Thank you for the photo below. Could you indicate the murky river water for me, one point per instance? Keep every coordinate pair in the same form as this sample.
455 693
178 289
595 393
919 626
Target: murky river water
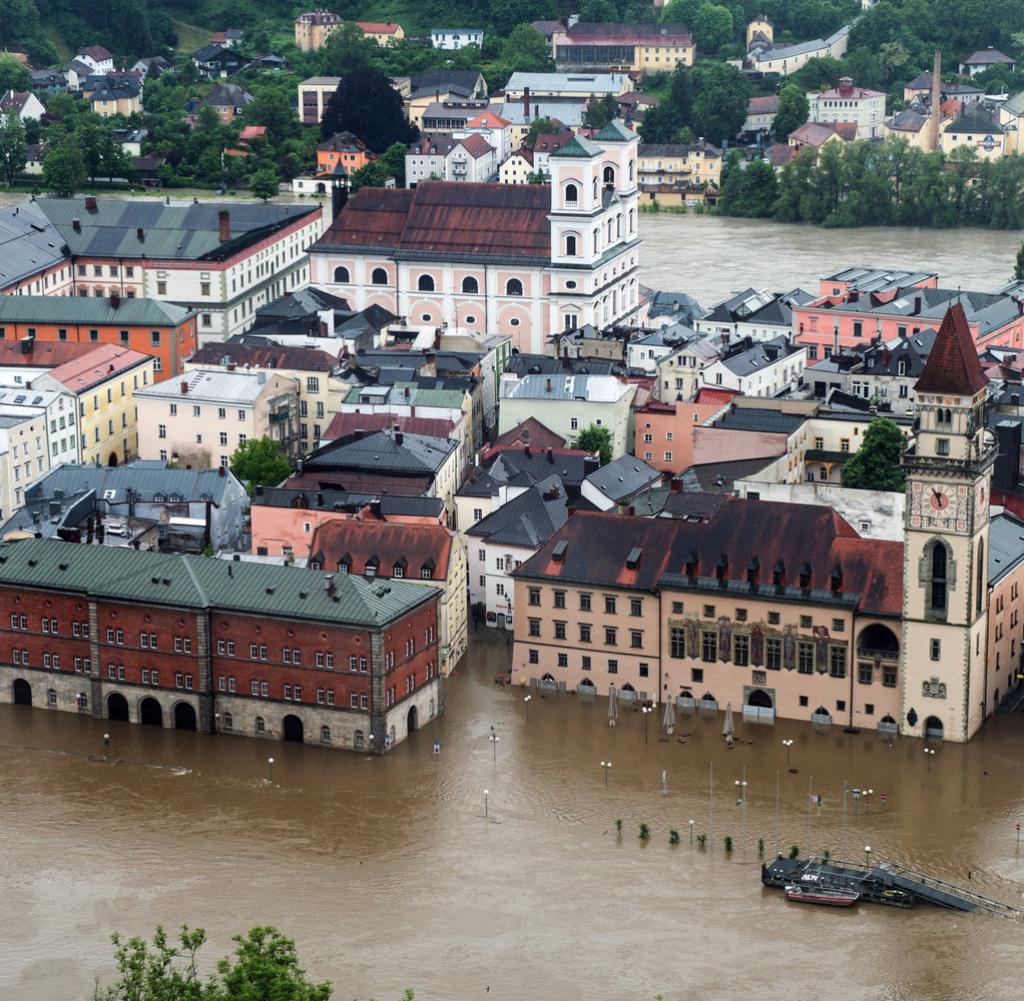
388 874
712 256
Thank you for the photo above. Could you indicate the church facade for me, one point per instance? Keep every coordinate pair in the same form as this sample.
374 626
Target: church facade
525 261
784 610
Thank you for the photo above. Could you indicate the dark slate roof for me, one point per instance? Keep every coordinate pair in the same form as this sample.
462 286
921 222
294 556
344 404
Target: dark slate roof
528 520
1005 545
759 356
719 477
434 78
757 419
953 365
227 95
514 467
147 481
29 242
302 303
271 356
623 477
176 231
974 118
597 547
908 120
912 350
206 582
694 505
381 451
521 364
388 505
441 221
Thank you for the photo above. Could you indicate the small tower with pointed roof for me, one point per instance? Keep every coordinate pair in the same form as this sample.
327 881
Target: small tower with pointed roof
945 573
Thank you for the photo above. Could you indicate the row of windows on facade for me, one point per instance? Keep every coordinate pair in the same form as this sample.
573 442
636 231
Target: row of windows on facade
425 283
372 569
227 724
94 335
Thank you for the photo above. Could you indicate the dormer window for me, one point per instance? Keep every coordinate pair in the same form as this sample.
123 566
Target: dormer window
426 573
398 572
342 568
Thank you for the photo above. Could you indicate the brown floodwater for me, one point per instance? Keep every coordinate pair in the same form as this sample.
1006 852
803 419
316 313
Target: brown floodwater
388 874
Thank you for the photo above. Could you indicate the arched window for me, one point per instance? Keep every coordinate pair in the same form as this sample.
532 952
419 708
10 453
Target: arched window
425 283
261 724
379 276
632 169
325 734
981 576
514 287
595 189
609 175
341 275
938 570
570 245
470 286
227 721
572 195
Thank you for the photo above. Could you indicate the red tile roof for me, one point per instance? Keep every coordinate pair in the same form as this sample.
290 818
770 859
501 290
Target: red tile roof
953 366
488 120
763 105
383 544
851 94
260 356
461 221
346 424
708 395
475 145
42 354
814 134
378 27
797 534
529 432
102 363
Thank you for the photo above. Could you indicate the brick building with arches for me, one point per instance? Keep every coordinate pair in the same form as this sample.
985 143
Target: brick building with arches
524 261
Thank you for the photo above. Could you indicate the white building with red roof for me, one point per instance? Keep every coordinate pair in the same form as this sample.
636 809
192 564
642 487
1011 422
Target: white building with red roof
492 127
848 103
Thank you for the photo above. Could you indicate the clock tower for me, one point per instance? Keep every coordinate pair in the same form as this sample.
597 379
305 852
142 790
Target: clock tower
945 570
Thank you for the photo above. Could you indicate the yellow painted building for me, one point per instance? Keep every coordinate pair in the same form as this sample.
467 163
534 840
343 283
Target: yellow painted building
974 128
635 48
382 32
313 28
104 382
679 164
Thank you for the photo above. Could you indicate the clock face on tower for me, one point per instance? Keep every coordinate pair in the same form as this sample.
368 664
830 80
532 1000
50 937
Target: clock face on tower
938 505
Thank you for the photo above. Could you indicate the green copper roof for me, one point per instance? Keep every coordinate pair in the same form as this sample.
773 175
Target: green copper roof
615 132
578 146
199 582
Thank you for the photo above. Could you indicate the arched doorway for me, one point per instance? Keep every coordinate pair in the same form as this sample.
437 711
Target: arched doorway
184 717
878 641
888 720
150 712
22 692
112 459
587 686
760 698
117 707
412 720
291 727
933 727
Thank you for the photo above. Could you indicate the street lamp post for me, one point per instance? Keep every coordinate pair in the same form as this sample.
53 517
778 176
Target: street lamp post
606 765
691 831
929 753
867 856
270 768
527 699
106 748
486 794
787 744
646 710
494 744
867 800
741 785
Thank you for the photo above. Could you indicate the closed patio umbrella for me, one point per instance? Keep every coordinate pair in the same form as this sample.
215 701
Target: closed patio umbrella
727 724
669 719
613 705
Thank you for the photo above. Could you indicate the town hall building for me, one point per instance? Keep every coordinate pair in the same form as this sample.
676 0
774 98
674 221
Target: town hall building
523 261
784 609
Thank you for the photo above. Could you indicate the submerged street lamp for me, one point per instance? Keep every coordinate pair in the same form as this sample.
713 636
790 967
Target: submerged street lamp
527 699
494 738
646 710
606 765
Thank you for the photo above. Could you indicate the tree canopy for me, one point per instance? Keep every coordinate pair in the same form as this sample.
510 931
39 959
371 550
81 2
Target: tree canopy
366 105
793 111
876 464
64 168
595 439
259 462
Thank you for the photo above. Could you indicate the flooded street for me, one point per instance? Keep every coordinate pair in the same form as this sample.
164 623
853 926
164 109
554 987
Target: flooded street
712 256
388 874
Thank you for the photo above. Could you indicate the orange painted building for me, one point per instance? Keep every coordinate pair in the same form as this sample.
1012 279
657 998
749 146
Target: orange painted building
665 431
162 330
342 149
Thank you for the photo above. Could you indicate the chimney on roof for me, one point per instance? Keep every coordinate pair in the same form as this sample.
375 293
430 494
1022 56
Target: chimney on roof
140 235
526 101
76 225
115 300
835 338
184 385
329 583
845 86
551 457
526 450
399 437
221 471
224 225
90 203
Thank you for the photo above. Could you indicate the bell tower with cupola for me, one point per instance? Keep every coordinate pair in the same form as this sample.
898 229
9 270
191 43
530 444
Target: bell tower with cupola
945 571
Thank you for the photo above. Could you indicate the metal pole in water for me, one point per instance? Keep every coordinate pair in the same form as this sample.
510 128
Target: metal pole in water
844 819
711 805
810 787
778 846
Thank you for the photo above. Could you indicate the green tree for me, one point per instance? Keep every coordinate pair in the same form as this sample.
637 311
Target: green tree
712 26
540 126
12 147
793 111
260 463
1018 265
264 184
600 111
161 971
506 14
595 439
750 190
348 48
876 464
366 105
525 50
13 75
598 11
63 168
266 965
721 95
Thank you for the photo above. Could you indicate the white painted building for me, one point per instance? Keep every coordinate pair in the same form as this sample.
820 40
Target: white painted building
453 39
847 103
24 457
761 370
58 409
